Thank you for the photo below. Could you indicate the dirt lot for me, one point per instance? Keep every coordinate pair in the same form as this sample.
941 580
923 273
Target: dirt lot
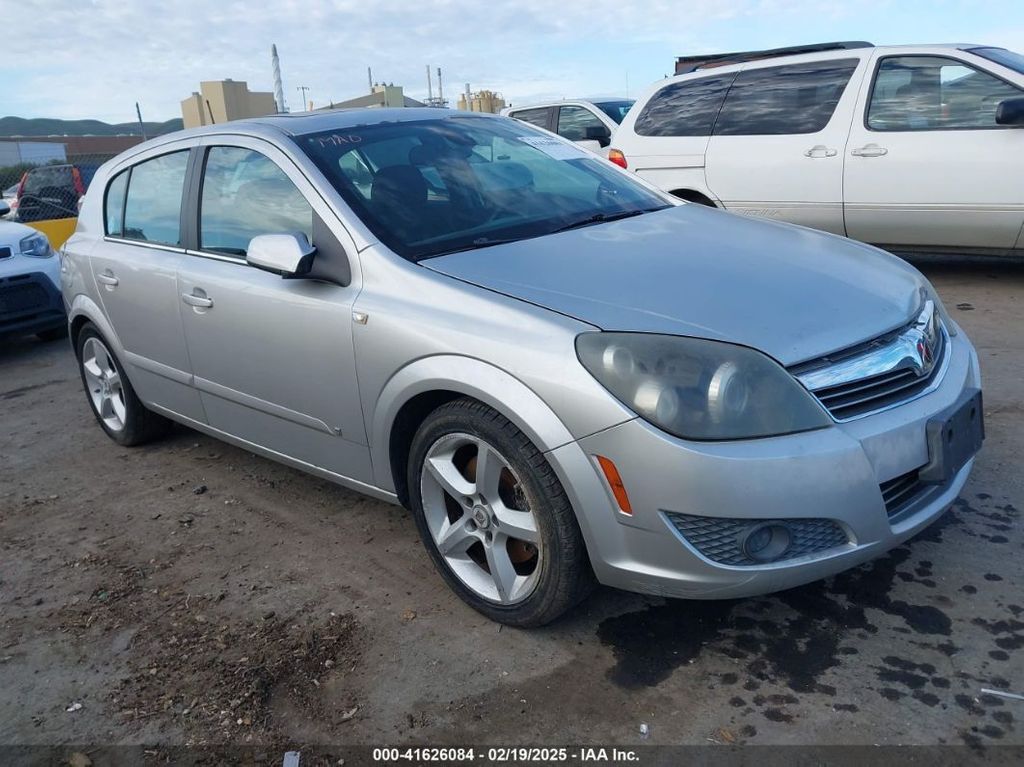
190 592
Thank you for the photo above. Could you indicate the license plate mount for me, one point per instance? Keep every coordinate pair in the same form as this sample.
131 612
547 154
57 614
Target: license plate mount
954 437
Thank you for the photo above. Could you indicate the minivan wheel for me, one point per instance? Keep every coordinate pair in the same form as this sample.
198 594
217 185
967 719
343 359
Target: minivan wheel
118 410
494 517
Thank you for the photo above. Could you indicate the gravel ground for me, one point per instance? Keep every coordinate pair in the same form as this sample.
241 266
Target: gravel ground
190 592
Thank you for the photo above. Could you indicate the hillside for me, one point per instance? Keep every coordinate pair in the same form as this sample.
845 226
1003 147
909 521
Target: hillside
44 126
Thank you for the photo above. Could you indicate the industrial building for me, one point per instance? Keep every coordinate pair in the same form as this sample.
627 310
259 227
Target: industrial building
380 95
481 101
219 101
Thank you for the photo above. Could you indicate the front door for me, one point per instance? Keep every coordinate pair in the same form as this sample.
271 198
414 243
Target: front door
135 266
927 165
777 148
272 357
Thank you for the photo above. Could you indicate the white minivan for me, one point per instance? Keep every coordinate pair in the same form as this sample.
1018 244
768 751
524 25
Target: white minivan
914 148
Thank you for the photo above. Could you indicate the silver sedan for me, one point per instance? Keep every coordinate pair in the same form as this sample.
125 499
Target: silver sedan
567 376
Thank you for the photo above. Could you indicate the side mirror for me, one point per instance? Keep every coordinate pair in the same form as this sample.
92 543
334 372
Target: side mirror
289 255
1010 111
598 133
4 208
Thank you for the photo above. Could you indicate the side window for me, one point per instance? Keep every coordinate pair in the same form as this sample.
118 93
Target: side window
114 204
686 108
152 211
773 101
574 121
245 194
538 117
915 93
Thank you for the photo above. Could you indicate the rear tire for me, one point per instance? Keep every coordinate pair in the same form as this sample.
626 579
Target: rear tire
512 548
118 410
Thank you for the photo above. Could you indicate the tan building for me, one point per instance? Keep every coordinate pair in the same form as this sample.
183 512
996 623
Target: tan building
219 101
481 101
380 95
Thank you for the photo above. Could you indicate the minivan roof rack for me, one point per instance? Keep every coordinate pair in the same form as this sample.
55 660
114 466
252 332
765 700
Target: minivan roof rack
685 64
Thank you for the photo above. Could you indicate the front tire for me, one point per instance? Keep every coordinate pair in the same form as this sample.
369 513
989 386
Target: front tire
494 517
118 410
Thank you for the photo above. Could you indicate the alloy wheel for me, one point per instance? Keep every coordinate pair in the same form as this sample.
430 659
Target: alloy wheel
103 383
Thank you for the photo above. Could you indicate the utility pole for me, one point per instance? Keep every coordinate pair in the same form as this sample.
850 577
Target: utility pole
142 127
304 89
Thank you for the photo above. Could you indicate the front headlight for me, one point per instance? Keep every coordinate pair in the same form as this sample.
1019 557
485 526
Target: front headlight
35 245
698 389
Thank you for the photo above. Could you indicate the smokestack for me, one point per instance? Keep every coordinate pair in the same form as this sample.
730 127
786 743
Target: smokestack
469 100
369 78
440 88
430 86
278 87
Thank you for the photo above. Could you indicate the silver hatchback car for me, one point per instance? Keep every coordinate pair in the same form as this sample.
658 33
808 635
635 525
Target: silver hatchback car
568 376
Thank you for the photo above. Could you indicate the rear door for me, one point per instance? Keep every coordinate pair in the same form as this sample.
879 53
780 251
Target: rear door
272 357
927 165
542 117
135 267
777 148
579 124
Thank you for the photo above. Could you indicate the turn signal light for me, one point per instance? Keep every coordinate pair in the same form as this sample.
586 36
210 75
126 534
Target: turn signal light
615 483
616 157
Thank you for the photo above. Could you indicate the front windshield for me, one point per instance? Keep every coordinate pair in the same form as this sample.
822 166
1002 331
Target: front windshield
1008 59
430 187
615 109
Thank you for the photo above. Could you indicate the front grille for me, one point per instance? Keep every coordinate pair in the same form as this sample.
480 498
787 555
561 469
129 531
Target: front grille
23 297
854 398
717 538
5 252
882 372
902 492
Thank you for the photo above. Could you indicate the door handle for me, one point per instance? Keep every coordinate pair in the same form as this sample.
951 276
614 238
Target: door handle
870 150
107 278
197 298
820 151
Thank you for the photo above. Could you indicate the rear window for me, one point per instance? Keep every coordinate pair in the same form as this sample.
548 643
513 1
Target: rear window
538 117
40 180
152 211
114 204
799 98
615 109
687 108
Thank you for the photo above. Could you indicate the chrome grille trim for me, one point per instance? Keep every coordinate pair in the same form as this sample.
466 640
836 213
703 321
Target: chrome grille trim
882 373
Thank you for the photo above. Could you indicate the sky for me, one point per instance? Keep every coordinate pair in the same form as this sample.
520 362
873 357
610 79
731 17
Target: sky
95 58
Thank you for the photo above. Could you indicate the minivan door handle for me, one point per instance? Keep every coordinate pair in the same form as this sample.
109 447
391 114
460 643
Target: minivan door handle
869 150
107 277
820 151
198 298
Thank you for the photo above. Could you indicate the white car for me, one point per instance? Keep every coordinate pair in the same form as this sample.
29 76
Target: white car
914 148
590 123
30 299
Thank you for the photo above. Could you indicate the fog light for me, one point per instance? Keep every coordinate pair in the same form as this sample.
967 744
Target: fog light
765 542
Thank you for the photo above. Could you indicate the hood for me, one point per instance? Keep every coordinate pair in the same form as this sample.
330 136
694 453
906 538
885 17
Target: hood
791 292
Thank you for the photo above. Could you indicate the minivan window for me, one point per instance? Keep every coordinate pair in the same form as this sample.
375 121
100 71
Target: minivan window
246 194
114 205
686 108
615 109
573 122
792 99
922 93
538 117
153 207
473 182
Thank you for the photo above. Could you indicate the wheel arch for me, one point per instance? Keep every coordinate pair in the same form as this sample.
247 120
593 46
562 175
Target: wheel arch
84 310
425 384
694 195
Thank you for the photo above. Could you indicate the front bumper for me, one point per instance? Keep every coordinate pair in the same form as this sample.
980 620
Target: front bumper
30 302
832 474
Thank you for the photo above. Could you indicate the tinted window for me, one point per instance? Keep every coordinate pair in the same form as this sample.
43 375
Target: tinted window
574 121
687 108
48 178
114 206
153 209
470 182
245 194
915 93
538 117
799 98
615 109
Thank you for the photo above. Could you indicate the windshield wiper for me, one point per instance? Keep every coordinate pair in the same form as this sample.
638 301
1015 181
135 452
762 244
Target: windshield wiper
479 242
602 218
